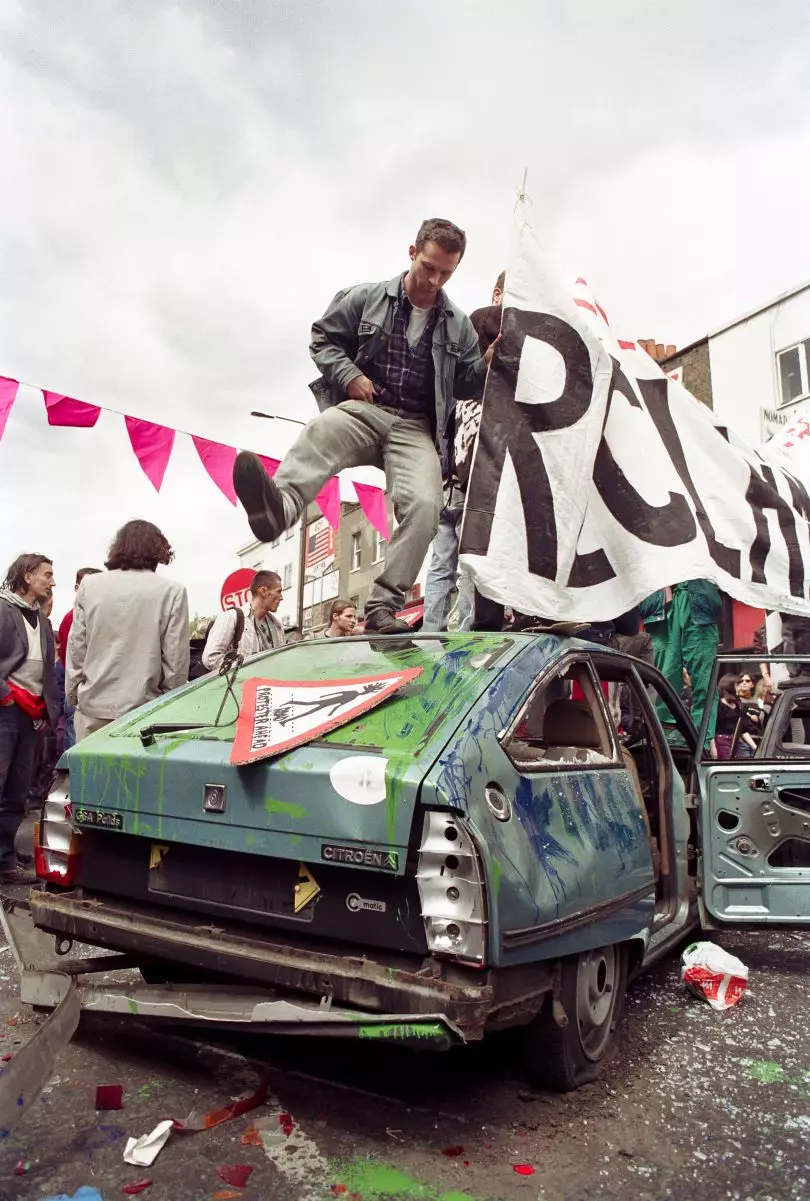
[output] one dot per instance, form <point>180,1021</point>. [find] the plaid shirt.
<point>404,373</point>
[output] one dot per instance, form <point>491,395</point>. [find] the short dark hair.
<point>83,571</point>
<point>444,233</point>
<point>138,546</point>
<point>19,569</point>
<point>487,324</point>
<point>499,282</point>
<point>264,579</point>
<point>727,685</point>
<point>340,606</point>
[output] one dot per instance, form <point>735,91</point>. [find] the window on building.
<point>357,550</point>
<point>287,581</point>
<point>380,544</point>
<point>794,372</point>
<point>307,623</point>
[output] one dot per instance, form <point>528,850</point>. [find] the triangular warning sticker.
<point>306,889</point>
<point>277,715</point>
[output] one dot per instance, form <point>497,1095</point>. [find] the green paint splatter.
<point>767,1072</point>
<point>379,1182</point>
<point>133,1006</point>
<point>402,1030</point>
<point>286,807</point>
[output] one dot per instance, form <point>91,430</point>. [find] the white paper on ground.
<point>144,1151</point>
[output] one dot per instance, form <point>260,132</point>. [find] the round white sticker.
<point>360,779</point>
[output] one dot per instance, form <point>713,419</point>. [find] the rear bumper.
<point>383,987</point>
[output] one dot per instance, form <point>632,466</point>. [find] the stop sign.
<point>236,589</point>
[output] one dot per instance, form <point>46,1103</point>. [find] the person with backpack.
<point>249,630</point>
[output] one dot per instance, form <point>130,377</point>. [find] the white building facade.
<point>760,367</point>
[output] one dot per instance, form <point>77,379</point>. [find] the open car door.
<point>754,824</point>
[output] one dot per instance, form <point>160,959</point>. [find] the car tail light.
<point>56,846</point>
<point>451,889</point>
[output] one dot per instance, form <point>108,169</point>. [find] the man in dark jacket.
<point>28,696</point>
<point>393,356</point>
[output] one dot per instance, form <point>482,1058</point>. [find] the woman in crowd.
<point>734,731</point>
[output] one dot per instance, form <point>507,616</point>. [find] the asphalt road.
<point>694,1104</point>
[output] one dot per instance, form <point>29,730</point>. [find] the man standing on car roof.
<point>28,696</point>
<point>393,357</point>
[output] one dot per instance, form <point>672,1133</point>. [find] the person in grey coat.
<point>393,356</point>
<point>28,697</point>
<point>129,640</point>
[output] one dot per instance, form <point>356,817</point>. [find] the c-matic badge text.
<point>385,861</point>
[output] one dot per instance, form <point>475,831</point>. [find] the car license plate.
<point>98,817</point>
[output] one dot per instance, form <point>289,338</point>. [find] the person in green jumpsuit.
<point>684,634</point>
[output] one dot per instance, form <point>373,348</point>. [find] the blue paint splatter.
<point>534,813</point>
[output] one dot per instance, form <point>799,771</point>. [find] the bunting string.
<point>152,445</point>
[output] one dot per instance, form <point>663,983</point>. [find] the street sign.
<point>236,589</point>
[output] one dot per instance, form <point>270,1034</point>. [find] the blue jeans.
<point>18,742</point>
<point>443,571</point>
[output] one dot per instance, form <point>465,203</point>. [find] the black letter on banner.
<point>671,524</point>
<point>663,525</point>
<point>655,395</point>
<point>762,494</point>
<point>508,426</point>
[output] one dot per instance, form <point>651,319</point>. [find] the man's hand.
<point>361,388</point>
<point>490,350</point>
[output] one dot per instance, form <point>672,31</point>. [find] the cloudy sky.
<point>186,185</point>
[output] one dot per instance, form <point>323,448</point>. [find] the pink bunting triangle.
<point>8,394</point>
<point>271,466</point>
<point>64,410</point>
<point>372,502</point>
<point>153,446</point>
<point>329,501</point>
<point>218,461</point>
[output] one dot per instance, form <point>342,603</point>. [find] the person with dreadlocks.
<point>28,697</point>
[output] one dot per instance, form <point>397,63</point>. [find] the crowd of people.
<point>124,642</point>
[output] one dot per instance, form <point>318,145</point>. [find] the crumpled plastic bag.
<point>710,972</point>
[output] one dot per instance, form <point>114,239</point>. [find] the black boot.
<point>261,499</point>
<point>382,621</point>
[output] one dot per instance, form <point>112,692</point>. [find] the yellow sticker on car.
<point>305,890</point>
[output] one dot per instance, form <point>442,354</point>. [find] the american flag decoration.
<point>320,542</point>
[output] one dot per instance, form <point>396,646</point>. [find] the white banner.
<point>597,479</point>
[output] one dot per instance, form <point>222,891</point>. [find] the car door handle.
<point>760,784</point>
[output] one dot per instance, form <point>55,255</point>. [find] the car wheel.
<point>592,993</point>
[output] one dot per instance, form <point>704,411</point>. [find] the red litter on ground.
<point>235,1174</point>
<point>7,1058</point>
<point>453,1152</point>
<point>22,1167</point>
<point>110,1096</point>
<point>523,1169</point>
<point>286,1123</point>
<point>251,1138</point>
<point>132,1190</point>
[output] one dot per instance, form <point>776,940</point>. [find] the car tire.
<point>592,993</point>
